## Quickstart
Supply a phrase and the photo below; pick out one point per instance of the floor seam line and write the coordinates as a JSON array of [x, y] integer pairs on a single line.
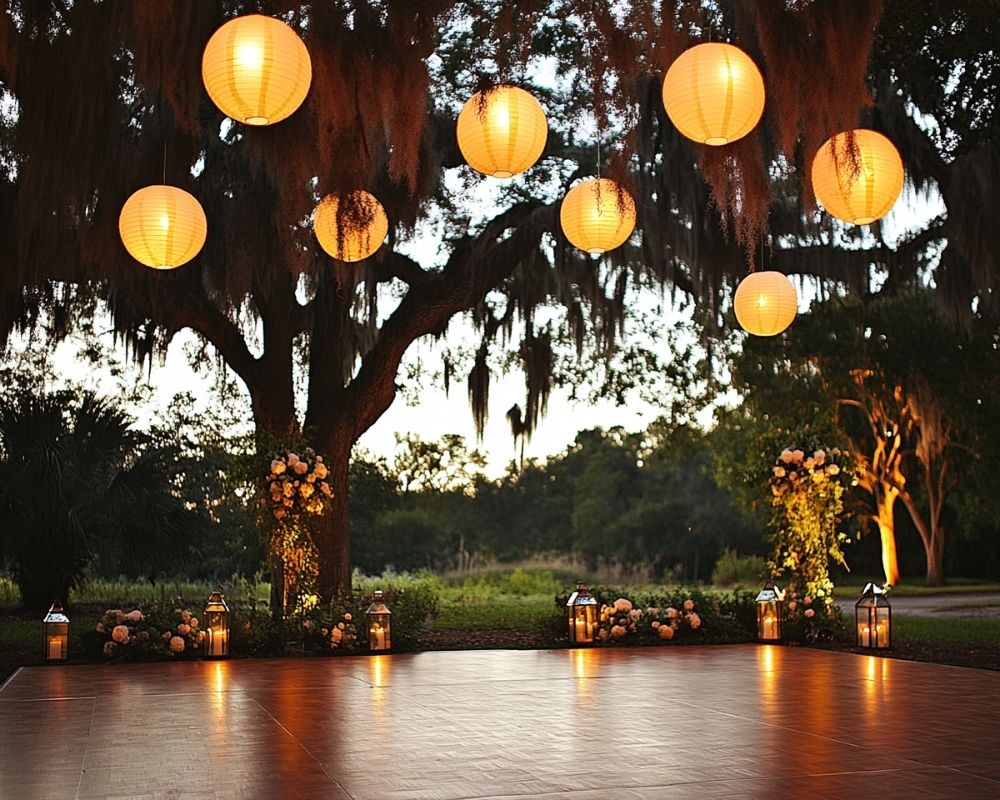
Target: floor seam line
[[86, 747], [305, 749]]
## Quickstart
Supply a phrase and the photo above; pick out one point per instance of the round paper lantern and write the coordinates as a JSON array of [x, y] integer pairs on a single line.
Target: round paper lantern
[[714, 93], [256, 69], [765, 303], [595, 217], [362, 228], [860, 191], [502, 133], [162, 226]]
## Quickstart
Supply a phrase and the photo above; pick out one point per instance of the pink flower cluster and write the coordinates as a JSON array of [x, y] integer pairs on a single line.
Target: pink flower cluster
[[792, 467], [342, 634], [621, 620], [298, 483], [185, 634]]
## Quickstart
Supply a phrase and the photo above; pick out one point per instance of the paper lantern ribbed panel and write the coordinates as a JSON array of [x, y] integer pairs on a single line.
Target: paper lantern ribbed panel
[[765, 303], [504, 134], [256, 69], [863, 191], [351, 243], [592, 218], [714, 93], [162, 226]]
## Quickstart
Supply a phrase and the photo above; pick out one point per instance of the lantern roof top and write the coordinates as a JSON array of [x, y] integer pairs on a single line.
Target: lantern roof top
[[873, 595], [56, 613], [770, 593]]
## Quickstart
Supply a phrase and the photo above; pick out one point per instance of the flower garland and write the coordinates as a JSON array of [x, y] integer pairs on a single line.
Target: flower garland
[[807, 494], [297, 492]]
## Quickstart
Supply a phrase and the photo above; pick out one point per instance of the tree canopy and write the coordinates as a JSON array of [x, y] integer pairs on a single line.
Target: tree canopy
[[102, 98]]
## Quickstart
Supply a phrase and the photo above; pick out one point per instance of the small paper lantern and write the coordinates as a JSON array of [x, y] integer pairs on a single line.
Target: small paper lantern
[[55, 630], [379, 620], [503, 132], [215, 621], [858, 191], [162, 227], [873, 616], [714, 93], [362, 229], [769, 613], [595, 217], [581, 615], [256, 69], [765, 303]]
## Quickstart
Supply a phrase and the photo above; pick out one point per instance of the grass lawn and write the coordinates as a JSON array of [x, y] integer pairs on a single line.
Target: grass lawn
[[937, 630], [460, 611]]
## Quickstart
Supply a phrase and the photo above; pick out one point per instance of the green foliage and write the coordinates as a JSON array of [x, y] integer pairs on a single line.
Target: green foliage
[[807, 491], [78, 487], [732, 569]]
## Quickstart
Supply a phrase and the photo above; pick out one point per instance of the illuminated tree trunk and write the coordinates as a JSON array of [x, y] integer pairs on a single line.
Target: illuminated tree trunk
[[885, 517]]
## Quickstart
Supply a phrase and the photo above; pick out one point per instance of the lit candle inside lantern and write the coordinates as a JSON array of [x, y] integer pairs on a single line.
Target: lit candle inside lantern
[[216, 642], [582, 633], [770, 628], [55, 649], [881, 634], [379, 637], [865, 634]]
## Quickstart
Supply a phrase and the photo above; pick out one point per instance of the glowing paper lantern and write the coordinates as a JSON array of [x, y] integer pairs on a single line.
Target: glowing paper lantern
[[765, 303], [863, 190], [503, 132], [162, 226], [362, 229], [714, 93], [595, 217], [256, 69]]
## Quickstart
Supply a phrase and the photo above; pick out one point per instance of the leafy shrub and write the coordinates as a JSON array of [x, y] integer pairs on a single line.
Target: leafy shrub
[[732, 569], [412, 599]]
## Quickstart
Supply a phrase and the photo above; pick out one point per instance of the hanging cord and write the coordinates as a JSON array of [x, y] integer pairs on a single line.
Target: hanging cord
[[593, 79]]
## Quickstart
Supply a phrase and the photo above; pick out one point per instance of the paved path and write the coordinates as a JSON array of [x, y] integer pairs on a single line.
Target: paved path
[[965, 604], [651, 723]]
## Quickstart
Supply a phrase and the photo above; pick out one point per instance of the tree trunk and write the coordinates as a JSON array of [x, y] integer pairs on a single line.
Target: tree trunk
[[885, 517], [332, 534], [935, 558]]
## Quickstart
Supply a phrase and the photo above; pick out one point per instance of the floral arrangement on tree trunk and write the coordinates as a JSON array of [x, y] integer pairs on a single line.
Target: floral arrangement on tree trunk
[[807, 494], [297, 492]]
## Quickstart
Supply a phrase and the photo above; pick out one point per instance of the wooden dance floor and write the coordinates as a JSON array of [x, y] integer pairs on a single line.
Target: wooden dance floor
[[642, 724]]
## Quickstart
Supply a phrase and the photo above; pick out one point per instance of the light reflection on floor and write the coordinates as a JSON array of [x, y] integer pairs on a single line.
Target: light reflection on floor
[[586, 724]]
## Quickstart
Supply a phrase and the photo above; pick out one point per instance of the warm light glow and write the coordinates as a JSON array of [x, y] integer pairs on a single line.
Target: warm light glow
[[714, 93], [765, 303], [162, 226], [503, 134], [360, 231], [858, 191], [597, 216], [256, 69]]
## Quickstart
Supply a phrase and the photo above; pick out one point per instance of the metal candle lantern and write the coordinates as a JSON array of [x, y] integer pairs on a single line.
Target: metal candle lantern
[[379, 619], [873, 615], [55, 629], [581, 615], [216, 620], [769, 613]]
